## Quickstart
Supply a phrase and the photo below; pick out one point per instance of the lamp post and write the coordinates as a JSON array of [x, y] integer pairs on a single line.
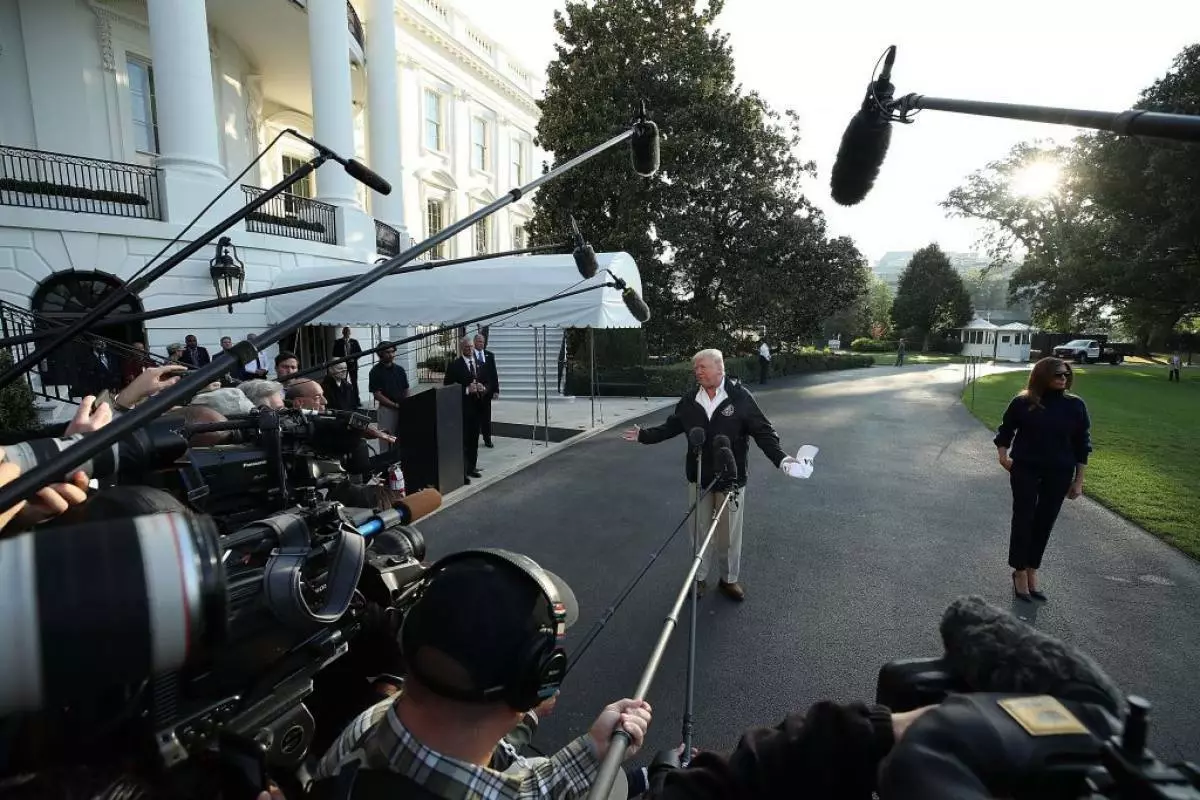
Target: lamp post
[[227, 271]]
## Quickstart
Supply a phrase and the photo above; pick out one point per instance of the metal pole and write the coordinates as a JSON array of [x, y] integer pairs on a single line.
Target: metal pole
[[695, 599], [546, 383], [592, 358], [620, 739]]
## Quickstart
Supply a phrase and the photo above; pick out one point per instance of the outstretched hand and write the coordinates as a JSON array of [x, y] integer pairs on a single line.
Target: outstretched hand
[[631, 435]]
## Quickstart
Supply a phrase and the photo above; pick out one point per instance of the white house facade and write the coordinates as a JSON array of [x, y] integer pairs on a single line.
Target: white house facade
[[121, 120]]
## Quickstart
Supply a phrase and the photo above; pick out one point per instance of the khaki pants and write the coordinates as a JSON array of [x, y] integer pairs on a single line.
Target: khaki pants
[[727, 540]]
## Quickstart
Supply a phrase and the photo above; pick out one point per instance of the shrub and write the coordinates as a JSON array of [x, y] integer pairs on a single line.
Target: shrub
[[945, 345], [864, 345], [17, 411], [675, 379]]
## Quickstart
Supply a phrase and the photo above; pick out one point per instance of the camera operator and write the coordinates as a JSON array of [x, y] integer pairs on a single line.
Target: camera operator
[[478, 660], [831, 751], [305, 393]]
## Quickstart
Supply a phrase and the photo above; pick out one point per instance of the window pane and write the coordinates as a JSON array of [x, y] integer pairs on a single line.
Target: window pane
[[433, 135]]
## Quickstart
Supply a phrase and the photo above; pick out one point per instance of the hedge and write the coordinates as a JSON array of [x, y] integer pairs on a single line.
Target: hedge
[[675, 379]]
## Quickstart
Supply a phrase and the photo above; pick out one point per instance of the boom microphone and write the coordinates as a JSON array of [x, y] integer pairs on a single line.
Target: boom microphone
[[696, 436], [585, 256], [990, 650], [354, 168], [643, 146], [865, 142], [636, 305]]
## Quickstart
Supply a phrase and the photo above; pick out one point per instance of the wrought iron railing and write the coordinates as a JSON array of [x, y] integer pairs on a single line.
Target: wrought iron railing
[[356, 28], [292, 216], [74, 371], [61, 182], [435, 352], [387, 239]]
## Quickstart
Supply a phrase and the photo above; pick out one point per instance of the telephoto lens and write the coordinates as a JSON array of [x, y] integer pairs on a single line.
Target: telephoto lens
[[101, 604]]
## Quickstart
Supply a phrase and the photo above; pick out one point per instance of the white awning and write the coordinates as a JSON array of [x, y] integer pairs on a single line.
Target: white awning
[[459, 292]]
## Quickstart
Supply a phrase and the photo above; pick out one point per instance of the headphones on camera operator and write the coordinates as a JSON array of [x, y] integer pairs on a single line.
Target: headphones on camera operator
[[538, 673]]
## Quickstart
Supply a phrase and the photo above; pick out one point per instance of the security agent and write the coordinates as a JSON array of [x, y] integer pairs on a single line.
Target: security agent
[[482, 646], [719, 405]]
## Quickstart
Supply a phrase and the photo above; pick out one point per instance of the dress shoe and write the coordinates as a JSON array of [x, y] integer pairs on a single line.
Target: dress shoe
[[701, 588], [475, 473], [732, 590], [466, 480], [488, 444], [1019, 594]]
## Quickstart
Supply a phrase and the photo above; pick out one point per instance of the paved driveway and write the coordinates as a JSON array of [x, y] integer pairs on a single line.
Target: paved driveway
[[906, 511]]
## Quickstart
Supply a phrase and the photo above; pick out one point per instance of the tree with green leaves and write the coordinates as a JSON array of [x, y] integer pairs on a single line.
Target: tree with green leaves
[[1118, 233], [724, 219], [931, 297]]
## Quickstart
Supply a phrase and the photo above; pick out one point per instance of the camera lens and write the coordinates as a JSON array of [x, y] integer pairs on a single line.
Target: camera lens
[[101, 604]]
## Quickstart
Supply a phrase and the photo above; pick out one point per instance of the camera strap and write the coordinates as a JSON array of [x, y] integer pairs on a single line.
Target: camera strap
[[284, 579]]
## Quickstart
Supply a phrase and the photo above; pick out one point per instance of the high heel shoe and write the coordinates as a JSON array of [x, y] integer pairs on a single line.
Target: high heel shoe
[[1020, 595]]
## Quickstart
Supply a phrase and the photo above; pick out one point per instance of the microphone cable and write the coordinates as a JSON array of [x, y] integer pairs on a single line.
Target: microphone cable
[[612, 608]]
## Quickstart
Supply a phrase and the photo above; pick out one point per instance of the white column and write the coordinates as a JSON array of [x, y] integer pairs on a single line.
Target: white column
[[183, 88], [383, 112], [333, 114]]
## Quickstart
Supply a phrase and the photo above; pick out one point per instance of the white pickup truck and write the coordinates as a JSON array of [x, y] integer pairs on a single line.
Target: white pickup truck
[[1087, 351]]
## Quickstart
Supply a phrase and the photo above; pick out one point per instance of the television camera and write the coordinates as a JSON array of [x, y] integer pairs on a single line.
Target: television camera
[[155, 654], [1070, 741]]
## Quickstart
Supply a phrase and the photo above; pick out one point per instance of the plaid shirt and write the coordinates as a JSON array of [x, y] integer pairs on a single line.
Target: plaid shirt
[[378, 739]]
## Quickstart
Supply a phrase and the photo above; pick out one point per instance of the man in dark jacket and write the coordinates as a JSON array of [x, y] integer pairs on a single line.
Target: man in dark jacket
[[718, 406]]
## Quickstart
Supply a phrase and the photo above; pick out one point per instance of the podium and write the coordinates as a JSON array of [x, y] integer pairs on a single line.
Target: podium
[[431, 439]]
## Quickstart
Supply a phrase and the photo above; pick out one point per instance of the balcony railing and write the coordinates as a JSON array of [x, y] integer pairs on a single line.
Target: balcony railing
[[292, 216], [60, 182], [356, 28], [73, 372], [387, 239]]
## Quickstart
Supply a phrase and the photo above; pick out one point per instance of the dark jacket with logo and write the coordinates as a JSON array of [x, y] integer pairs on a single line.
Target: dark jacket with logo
[[738, 417]]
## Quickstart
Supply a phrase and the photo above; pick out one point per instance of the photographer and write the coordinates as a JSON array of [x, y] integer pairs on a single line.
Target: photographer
[[478, 661], [831, 751]]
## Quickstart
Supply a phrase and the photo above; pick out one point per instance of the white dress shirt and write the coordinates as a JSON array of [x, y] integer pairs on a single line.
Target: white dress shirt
[[710, 404]]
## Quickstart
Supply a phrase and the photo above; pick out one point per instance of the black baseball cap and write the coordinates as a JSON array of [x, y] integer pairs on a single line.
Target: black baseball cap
[[471, 630]]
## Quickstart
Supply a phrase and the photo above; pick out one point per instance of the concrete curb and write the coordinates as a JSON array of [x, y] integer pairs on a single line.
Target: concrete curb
[[479, 484]]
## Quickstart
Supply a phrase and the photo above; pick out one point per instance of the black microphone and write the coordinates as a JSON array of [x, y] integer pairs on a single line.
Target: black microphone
[[643, 146], [636, 305], [354, 168], [865, 141], [725, 459], [585, 256], [990, 650], [364, 174], [696, 437]]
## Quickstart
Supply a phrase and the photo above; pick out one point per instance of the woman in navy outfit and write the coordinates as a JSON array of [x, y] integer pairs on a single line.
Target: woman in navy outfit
[[1046, 463]]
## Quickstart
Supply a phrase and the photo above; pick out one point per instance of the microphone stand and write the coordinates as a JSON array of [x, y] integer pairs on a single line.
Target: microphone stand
[[245, 351], [694, 597], [620, 740], [114, 298]]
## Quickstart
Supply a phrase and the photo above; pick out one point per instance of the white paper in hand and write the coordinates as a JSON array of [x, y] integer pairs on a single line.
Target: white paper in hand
[[802, 465]]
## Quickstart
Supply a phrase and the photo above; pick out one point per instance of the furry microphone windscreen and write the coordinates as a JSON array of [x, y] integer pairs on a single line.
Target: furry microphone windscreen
[[864, 145], [990, 650]]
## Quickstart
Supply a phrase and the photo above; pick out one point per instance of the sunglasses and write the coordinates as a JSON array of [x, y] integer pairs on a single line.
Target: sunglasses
[[1062, 374]]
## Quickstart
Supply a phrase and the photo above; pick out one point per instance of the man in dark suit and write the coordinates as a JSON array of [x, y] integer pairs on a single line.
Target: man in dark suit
[[346, 346], [467, 373], [100, 370], [193, 353], [486, 360]]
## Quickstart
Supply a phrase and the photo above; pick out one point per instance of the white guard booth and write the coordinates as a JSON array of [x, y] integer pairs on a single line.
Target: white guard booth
[[1012, 342], [526, 343], [979, 339]]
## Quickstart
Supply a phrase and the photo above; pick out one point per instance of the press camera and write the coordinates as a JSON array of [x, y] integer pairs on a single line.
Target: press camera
[[1081, 751], [159, 654]]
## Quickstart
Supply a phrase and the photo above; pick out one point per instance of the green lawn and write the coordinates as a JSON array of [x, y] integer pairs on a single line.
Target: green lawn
[[1146, 461], [889, 359]]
